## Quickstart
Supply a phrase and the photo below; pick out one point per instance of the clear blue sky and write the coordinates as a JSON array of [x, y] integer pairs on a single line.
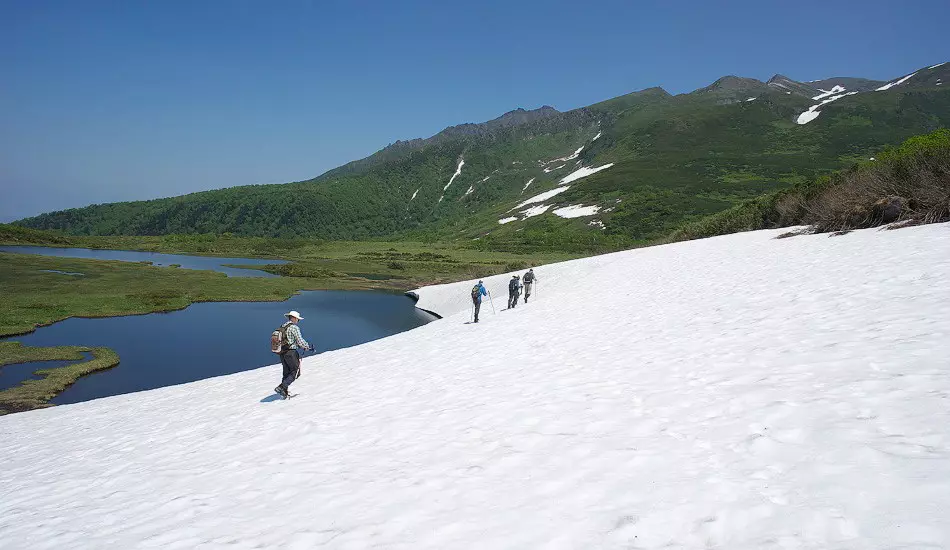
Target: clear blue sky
[[120, 100]]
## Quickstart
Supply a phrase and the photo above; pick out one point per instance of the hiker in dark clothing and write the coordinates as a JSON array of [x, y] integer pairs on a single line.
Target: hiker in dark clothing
[[477, 292], [529, 280], [514, 291], [290, 354]]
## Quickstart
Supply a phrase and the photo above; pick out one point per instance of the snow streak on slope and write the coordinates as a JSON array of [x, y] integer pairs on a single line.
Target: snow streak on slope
[[542, 196], [826, 93], [937, 65], [740, 392], [507, 220], [890, 85], [530, 181], [535, 211], [576, 211], [455, 175], [570, 157], [583, 173], [813, 112], [597, 136]]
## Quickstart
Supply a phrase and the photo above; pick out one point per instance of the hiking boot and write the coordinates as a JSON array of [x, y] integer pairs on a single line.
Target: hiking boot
[[281, 391]]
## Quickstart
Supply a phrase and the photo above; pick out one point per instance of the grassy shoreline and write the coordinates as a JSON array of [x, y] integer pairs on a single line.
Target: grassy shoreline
[[35, 394], [33, 296]]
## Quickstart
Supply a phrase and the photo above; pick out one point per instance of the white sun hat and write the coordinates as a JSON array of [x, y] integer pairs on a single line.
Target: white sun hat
[[293, 313]]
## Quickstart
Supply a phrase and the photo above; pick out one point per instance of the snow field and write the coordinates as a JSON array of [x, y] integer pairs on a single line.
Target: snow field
[[890, 85], [583, 173], [541, 197], [737, 392], [825, 93], [813, 112], [576, 211]]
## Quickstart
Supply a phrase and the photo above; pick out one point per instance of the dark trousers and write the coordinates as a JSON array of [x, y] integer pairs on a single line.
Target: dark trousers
[[478, 306], [512, 298], [290, 359]]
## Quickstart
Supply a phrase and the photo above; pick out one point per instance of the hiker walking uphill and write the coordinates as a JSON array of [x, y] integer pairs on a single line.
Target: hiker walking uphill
[[529, 280], [514, 291], [477, 292], [286, 341]]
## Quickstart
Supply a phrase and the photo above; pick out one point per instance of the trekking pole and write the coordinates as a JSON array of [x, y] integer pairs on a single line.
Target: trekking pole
[[492, 302]]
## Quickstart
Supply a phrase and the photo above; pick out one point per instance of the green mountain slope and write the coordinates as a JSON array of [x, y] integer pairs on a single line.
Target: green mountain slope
[[671, 159]]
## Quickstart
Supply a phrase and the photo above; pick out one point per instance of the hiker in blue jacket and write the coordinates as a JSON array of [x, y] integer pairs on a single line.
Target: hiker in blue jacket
[[477, 292]]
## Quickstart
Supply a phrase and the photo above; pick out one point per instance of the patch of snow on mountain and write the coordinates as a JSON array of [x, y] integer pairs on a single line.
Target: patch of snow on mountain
[[455, 175], [813, 112], [535, 210], [597, 136], [637, 400], [890, 85], [414, 194], [752, 99], [596, 223], [570, 157], [542, 196], [471, 189], [485, 179], [530, 181], [507, 220], [583, 173], [937, 65], [826, 93], [576, 211]]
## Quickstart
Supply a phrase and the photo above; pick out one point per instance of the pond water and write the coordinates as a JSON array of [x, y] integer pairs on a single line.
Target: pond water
[[157, 258], [212, 339], [12, 375]]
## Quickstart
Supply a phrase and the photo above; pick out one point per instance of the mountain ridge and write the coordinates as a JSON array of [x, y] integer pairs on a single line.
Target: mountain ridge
[[635, 166]]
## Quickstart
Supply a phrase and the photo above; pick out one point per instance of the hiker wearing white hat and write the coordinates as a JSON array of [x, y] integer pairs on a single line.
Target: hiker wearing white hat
[[287, 342]]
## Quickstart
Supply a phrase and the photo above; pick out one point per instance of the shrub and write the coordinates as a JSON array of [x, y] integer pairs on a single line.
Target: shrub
[[909, 184]]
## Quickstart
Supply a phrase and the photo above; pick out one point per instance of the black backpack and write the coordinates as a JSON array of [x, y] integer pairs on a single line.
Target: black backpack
[[513, 284], [476, 291]]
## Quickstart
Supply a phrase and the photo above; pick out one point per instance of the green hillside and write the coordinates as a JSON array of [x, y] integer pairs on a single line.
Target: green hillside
[[675, 159]]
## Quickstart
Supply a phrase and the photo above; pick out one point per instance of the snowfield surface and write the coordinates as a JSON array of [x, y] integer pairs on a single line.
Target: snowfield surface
[[576, 211], [826, 93], [541, 197], [583, 173], [890, 85], [813, 112], [535, 211], [740, 392], [503, 221]]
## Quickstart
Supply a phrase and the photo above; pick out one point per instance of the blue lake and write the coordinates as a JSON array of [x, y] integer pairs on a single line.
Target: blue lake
[[206, 339], [212, 339], [159, 259]]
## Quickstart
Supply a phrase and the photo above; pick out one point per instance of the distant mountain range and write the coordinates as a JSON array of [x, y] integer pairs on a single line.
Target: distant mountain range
[[623, 170]]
